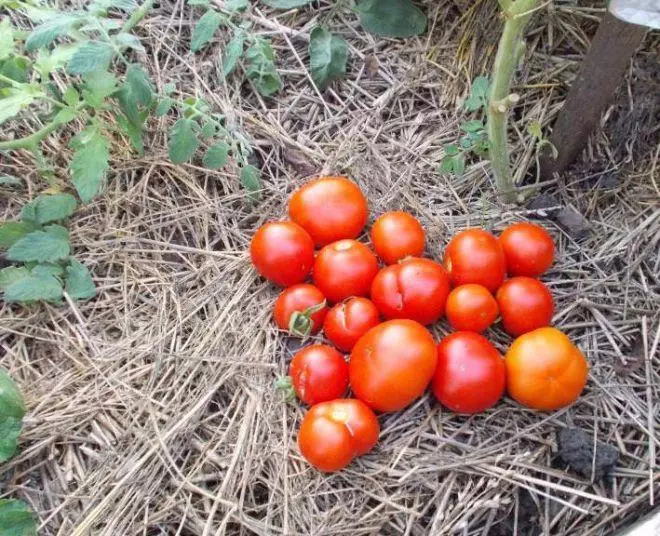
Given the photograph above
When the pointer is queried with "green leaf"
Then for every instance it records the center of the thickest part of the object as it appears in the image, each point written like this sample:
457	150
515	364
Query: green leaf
127	40
12	231
216	155
139	85
71	96
46	269
535	129
35	287
237	5
49	208
164	106
16	519
286	4
13	100
459	164
474	125
11	400
480	87
249	179
89	162
466	142
12	274
125	5
169	88
6	38
472	104
48	61
208	129
204	29
98	86
328	54
391	18
48	245
17	68
79	284
183	141
133	132
51	29
10	181
447	164
203	3
451	150
232	53
92	56
10	429
261	67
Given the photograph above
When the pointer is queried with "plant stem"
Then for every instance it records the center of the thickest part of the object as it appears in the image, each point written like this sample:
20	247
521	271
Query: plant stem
509	52
137	15
28	141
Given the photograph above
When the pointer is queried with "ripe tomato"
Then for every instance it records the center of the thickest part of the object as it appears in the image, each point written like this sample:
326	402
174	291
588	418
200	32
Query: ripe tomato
528	249
282	252
348	321
525	304
318	373
545	370
392	364
413	288
333	433
396	235
471	308
300	309
343	269
329	209
471	374
475	256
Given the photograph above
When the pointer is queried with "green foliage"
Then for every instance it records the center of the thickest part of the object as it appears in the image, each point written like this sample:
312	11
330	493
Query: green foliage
391	18
51	244
204	29
286	4
216	155
328	54
478	98
261	69
79	284
49	208
233	53
12	409
183	140
16	519
89	162
249	177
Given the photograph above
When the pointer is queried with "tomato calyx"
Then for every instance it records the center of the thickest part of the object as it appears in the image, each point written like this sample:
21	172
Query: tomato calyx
300	323
284	384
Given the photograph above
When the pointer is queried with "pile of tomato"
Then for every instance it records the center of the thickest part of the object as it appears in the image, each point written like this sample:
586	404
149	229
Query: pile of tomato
375	305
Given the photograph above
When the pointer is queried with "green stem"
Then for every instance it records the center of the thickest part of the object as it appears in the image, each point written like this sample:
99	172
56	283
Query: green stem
137	16
28	141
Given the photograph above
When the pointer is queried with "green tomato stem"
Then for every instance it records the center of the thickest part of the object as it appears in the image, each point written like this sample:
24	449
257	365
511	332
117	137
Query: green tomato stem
29	141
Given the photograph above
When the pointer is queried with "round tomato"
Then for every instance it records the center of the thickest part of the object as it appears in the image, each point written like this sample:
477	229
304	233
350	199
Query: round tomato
413	288
475	256
282	252
545	370
329	209
392	364
471	308
300	309
471	374
396	235
346	322
318	373
528	249
525	304
333	433
344	269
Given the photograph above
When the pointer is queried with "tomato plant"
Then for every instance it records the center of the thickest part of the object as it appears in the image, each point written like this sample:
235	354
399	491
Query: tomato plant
333	433
300	309
392	364
475	256
528	249
525	304
545	370
413	288
343	269
396	235
346	322
471	374
471	308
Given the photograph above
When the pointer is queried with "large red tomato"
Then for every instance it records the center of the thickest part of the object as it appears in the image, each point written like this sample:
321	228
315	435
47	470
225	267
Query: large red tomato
344	269
471	308
528	249
392	364
282	252
346	322
413	288
333	433
396	235
525	304
329	209
300	309
475	256
471	374
318	373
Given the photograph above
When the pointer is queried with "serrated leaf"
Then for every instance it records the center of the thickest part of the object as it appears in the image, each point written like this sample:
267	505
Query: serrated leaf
286	4
11	399
15	518
233	53
134	133
237	5
17	68
49	208
204	29
451	150
216	155
51	29
12	231
249	179
164	106
535	129
208	129
89	162
124	5
447	164
10	181
328	54
12	274
183	141
127	40
10	429
49	61
139	85
71	96
472	104
13	100
203	3
40	246
474	125
79	283
90	57
41	287
6	38
391	18
466	142
480	87
98	86
47	268
261	67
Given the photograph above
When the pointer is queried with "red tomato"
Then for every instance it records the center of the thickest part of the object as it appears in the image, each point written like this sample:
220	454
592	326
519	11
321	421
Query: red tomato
348	321
413	288
392	364
318	373
300	309
471	374
396	235
528	249
329	209
282	252
525	304
475	256
471	308
344	269
333	433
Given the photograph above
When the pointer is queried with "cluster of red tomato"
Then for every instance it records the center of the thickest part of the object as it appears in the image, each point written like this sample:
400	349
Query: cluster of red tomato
392	362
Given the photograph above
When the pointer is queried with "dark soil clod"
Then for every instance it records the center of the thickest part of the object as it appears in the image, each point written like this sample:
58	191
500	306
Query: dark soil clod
573	223
577	450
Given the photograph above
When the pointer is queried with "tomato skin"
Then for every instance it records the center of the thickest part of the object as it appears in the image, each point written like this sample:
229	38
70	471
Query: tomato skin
414	288
343	269
298	298
392	364
282	252
471	308
475	256
318	373
396	235
545	370
525	305
333	433
346	322
471	374
329	209
528	249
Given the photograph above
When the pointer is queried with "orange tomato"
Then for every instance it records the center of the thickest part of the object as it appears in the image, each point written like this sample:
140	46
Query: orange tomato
528	249
396	235
471	308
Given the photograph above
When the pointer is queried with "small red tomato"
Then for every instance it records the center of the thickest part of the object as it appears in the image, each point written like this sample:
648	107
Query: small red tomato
413	288
471	308
475	256
344	269
396	235
318	373
525	305
282	252
300	309
528	249
346	322
333	433
471	373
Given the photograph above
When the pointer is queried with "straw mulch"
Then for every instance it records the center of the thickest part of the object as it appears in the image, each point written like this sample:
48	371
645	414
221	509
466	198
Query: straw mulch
152	410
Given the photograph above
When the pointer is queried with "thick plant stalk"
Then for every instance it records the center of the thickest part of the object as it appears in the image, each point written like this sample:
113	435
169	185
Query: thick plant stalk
509	52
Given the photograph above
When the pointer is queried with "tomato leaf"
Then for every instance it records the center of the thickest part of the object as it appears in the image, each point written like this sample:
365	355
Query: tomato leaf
49	208
12	274
328	54
11	231
51	29
6	39
16	519
391	18
286	4
39	285
237	5
139	85
261	67
92	56
249	178
232	53
51	244
216	155
79	283
183	141
11	400
89	162
205	28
